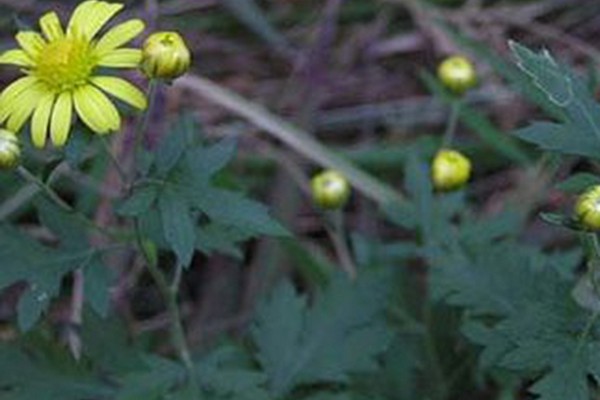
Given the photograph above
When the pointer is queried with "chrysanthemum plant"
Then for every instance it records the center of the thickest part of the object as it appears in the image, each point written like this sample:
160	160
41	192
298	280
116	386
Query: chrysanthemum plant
74	101
488	305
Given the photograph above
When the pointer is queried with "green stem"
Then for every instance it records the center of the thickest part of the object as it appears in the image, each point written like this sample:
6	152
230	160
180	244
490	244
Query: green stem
452	123
438	377
63	205
338	238
113	159
170	294
142	125
593	249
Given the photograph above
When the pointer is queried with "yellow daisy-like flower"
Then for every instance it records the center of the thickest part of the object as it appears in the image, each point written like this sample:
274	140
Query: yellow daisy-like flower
60	68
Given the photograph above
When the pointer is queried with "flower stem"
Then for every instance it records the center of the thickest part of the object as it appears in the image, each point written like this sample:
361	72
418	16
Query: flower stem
338	238
452	122
63	205
142	125
113	159
169	292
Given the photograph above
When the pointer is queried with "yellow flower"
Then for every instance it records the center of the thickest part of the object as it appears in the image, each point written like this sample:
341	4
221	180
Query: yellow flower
60	68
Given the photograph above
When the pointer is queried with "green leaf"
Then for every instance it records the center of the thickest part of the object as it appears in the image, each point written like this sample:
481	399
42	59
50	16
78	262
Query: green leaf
139	202
566	138
23	259
204	162
214	237
178	224
98	278
340	334
519	81
580	132
28	374
106	344
545	72
566	381
231	208
158	378
171	148
578	182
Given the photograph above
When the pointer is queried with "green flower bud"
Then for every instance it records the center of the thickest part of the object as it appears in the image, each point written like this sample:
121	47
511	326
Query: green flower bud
450	170
10	152
165	56
330	190
587	208
457	74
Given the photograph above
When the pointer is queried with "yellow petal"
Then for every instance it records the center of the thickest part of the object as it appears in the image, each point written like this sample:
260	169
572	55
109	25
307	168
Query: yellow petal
31	42
16	57
11	94
121	58
61	119
122	90
22	108
96	110
90	16
40	119
51	26
119	35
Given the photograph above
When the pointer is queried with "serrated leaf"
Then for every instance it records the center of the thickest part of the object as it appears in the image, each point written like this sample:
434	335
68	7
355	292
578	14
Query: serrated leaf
178	225
106	344
565	138
231	208
23	259
154	382
170	149
139	202
27	376
98	279
204	162
546	73
214	237
580	132
339	335
566	381
578	182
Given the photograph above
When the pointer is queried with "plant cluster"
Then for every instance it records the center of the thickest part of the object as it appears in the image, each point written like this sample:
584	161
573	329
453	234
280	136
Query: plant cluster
451	304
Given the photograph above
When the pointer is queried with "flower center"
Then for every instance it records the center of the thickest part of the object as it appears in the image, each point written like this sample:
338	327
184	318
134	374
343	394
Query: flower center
65	64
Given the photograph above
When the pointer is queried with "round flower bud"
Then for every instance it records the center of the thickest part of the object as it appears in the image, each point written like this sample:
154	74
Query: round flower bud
165	56
587	208
457	74
10	152
330	190
450	170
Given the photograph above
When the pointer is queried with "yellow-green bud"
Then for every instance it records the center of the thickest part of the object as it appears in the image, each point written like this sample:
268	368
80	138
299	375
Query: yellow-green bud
457	74
150	251
10	152
450	170
330	189
165	56
587	208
